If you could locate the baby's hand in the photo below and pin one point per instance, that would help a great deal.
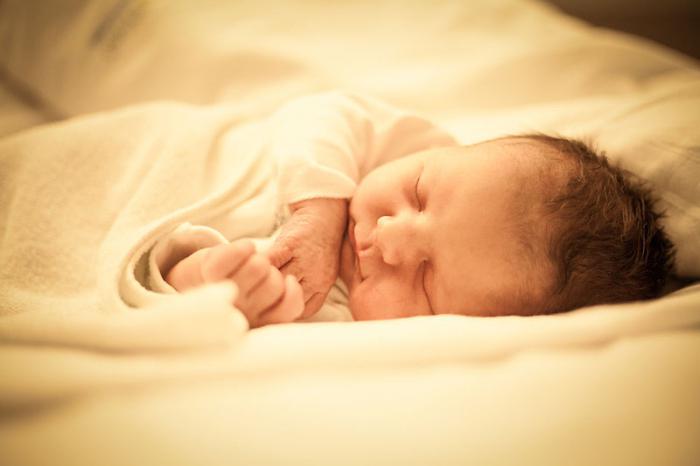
(308, 247)
(264, 295)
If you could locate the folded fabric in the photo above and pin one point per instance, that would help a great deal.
(85, 198)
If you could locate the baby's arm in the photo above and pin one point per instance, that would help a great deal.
(264, 295)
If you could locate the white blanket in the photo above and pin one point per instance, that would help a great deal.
(85, 199)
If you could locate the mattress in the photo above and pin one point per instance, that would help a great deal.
(614, 384)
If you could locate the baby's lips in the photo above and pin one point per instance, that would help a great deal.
(360, 243)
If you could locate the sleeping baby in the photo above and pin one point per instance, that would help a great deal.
(412, 223)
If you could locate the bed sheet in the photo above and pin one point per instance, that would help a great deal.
(590, 387)
(606, 385)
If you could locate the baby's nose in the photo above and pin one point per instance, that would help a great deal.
(401, 239)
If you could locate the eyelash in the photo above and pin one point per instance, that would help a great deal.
(420, 205)
(425, 291)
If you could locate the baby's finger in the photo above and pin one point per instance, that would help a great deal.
(251, 273)
(188, 272)
(264, 295)
(223, 260)
(288, 309)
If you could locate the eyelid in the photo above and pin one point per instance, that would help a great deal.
(420, 204)
(424, 266)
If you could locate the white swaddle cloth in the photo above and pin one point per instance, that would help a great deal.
(89, 197)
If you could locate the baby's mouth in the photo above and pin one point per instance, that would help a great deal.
(355, 252)
(358, 265)
(351, 235)
(349, 263)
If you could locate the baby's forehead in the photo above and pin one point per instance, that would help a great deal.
(528, 147)
(515, 175)
(531, 174)
(520, 169)
(527, 163)
(539, 163)
(509, 149)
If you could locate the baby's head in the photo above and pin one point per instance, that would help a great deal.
(519, 225)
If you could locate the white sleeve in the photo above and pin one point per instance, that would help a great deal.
(324, 144)
(179, 244)
(175, 246)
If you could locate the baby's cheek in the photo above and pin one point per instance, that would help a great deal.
(374, 303)
(369, 201)
(362, 307)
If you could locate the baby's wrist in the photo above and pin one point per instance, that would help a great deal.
(333, 212)
(324, 204)
(327, 217)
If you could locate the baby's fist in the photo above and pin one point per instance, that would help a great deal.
(264, 295)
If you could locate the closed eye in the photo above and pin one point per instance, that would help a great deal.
(424, 266)
(420, 204)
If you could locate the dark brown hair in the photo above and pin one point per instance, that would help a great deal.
(604, 236)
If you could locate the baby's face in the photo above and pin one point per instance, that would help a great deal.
(434, 233)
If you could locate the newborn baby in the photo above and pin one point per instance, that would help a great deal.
(518, 225)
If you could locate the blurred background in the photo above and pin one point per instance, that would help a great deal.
(675, 23)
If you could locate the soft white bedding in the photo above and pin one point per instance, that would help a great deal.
(607, 385)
